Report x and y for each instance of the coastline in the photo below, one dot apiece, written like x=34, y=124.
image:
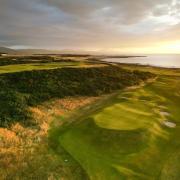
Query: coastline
x=157, y=61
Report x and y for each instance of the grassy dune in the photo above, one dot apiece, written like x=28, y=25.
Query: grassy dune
x=25, y=119
x=20, y=90
x=124, y=137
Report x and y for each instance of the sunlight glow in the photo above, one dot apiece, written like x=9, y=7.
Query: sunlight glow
x=162, y=48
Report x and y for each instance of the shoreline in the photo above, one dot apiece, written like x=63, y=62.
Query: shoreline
x=142, y=65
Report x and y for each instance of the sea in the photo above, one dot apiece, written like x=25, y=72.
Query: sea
x=167, y=61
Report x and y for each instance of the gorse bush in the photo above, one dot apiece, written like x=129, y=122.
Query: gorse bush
x=29, y=88
x=13, y=106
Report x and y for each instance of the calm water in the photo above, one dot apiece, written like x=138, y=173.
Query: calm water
x=172, y=61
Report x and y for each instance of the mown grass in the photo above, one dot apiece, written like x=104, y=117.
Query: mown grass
x=124, y=137
x=36, y=66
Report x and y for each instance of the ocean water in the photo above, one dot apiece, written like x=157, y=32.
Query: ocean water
x=168, y=61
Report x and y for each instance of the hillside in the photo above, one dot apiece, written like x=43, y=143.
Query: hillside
x=7, y=50
x=106, y=122
x=22, y=89
x=133, y=134
x=42, y=51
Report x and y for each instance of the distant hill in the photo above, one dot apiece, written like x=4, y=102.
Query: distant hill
x=7, y=50
x=45, y=51
x=26, y=51
x=40, y=51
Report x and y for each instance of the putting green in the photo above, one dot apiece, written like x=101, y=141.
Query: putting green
x=126, y=115
x=126, y=138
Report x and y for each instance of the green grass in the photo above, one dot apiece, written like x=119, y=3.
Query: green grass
x=155, y=70
x=123, y=136
x=36, y=66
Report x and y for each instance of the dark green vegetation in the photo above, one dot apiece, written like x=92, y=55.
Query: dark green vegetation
x=25, y=60
x=10, y=60
x=126, y=136
x=29, y=88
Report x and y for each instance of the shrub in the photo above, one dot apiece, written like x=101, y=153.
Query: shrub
x=22, y=89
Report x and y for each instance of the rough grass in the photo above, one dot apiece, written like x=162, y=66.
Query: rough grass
x=124, y=137
x=24, y=151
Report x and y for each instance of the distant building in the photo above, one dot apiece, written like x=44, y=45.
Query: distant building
x=3, y=54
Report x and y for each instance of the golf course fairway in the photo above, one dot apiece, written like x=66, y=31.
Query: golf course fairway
x=133, y=134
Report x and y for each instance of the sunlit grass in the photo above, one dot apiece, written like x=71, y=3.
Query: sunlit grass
x=36, y=66
x=126, y=138
x=25, y=151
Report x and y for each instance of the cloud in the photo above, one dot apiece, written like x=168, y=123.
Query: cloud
x=88, y=24
x=127, y=11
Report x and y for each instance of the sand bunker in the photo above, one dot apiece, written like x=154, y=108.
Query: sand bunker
x=125, y=98
x=169, y=124
x=164, y=113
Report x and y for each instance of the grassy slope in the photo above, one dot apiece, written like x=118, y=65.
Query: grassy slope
x=108, y=148
x=155, y=70
x=30, y=88
x=36, y=66
x=24, y=151
x=125, y=137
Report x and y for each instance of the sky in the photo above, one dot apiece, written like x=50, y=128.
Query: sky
x=109, y=26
